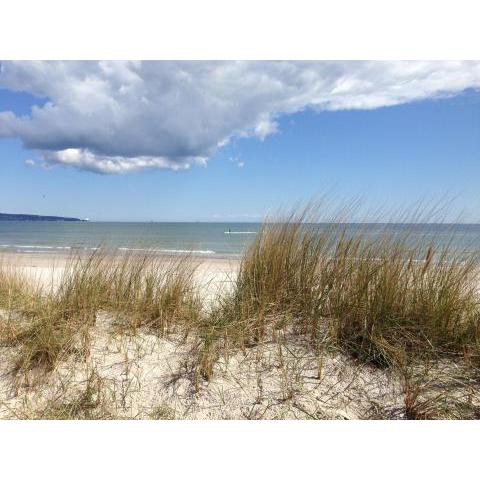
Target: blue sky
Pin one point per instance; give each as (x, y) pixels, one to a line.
(390, 156)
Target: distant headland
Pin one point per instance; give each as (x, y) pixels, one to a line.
(36, 218)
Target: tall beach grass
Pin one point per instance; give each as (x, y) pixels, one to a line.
(383, 299)
(140, 291)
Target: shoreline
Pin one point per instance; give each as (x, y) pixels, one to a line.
(75, 251)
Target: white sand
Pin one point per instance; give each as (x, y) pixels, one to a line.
(144, 376)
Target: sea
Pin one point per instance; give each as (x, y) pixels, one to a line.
(202, 239)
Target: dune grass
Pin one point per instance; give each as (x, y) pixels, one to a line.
(390, 301)
(139, 291)
(383, 299)
(157, 294)
(18, 293)
(59, 319)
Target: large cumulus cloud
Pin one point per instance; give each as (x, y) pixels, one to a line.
(115, 117)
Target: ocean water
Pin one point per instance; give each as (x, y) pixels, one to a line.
(207, 239)
(204, 239)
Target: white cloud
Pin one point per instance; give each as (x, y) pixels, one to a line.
(86, 160)
(116, 117)
(29, 162)
(241, 164)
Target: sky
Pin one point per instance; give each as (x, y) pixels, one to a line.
(233, 141)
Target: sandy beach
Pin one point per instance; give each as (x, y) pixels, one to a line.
(213, 275)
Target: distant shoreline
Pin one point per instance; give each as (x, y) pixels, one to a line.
(22, 217)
